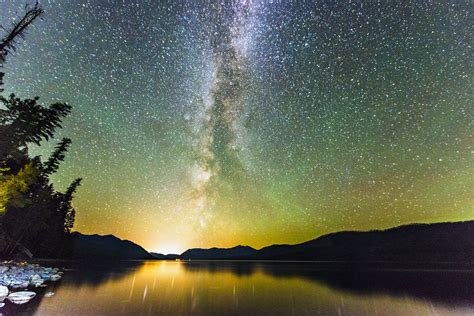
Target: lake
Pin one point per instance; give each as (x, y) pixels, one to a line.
(252, 288)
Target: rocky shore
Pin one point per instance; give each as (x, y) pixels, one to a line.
(18, 280)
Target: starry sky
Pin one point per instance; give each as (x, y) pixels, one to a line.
(217, 123)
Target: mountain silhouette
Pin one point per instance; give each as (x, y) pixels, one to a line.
(217, 253)
(439, 242)
(414, 243)
(97, 247)
(160, 256)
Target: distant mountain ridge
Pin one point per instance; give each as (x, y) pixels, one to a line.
(160, 256)
(217, 253)
(438, 242)
(97, 247)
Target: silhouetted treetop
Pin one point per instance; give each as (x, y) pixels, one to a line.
(66, 206)
(26, 121)
(17, 30)
(58, 155)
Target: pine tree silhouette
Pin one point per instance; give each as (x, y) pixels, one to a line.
(17, 30)
(33, 214)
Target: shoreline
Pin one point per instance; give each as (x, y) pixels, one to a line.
(323, 264)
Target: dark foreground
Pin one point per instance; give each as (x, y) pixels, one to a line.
(254, 288)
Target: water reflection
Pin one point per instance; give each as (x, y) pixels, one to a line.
(453, 286)
(253, 288)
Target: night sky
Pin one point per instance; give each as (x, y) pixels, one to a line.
(202, 124)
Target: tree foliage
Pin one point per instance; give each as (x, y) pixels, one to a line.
(17, 31)
(32, 213)
(14, 186)
(26, 121)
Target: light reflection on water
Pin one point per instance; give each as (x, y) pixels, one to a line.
(244, 288)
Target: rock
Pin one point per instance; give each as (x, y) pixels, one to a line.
(55, 277)
(3, 290)
(20, 275)
(5, 281)
(19, 284)
(36, 280)
(3, 293)
(21, 297)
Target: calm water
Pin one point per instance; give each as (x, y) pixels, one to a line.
(244, 288)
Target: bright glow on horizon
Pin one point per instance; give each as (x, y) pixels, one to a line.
(169, 248)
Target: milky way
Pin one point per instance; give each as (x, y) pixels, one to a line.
(218, 120)
(255, 122)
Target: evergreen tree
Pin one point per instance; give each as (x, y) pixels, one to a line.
(17, 30)
(26, 121)
(32, 213)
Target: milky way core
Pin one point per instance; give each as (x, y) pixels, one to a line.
(218, 123)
